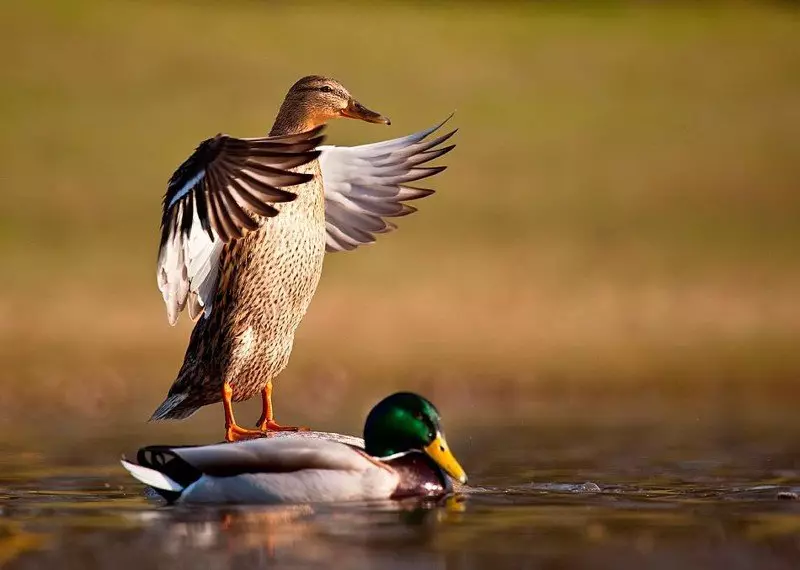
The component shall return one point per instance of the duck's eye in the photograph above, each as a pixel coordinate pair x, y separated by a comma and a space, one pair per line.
326, 89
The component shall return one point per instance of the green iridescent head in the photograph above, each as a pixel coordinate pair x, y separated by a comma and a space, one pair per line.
405, 422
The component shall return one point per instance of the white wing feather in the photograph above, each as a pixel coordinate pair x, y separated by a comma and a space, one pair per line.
189, 265
366, 184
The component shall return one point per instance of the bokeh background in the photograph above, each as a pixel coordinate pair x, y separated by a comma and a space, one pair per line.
616, 235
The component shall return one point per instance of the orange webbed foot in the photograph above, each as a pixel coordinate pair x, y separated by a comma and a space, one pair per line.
236, 433
267, 426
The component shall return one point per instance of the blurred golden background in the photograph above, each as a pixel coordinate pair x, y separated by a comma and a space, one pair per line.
617, 228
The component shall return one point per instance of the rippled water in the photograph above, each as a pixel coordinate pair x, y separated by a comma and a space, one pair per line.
578, 496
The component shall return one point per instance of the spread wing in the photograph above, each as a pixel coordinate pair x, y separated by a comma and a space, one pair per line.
366, 184
218, 194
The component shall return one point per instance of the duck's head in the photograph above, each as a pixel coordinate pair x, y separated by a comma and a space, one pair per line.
408, 422
314, 100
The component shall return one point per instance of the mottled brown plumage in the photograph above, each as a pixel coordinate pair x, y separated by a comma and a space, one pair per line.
251, 277
266, 284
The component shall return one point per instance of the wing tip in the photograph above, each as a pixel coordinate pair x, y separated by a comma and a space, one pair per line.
407, 209
414, 192
447, 120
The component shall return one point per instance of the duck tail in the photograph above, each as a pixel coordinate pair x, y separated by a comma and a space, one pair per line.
175, 407
160, 467
155, 479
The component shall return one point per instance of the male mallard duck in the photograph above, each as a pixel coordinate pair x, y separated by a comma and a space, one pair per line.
249, 273
405, 455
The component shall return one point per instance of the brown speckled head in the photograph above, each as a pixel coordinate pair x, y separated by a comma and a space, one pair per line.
314, 100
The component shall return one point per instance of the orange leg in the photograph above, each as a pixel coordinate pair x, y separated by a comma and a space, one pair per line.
267, 423
232, 431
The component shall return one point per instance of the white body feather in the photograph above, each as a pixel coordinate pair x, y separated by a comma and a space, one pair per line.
307, 486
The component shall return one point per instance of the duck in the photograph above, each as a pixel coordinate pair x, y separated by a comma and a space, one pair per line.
246, 224
405, 455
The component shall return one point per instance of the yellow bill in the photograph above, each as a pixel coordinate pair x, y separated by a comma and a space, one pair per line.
439, 451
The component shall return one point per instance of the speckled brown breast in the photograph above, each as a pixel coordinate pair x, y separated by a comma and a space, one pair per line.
267, 280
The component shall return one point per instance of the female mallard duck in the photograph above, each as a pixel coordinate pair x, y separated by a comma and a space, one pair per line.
248, 273
405, 455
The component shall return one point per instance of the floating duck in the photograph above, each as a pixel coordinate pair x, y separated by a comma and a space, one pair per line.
245, 226
405, 455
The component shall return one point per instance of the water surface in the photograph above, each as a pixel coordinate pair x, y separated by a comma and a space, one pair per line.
544, 496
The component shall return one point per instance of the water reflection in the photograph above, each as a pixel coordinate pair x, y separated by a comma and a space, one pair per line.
299, 532
14, 540
620, 528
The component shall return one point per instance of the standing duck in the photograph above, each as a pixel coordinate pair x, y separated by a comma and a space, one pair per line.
405, 455
245, 226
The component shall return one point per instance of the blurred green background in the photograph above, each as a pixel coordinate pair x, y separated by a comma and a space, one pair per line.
617, 231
